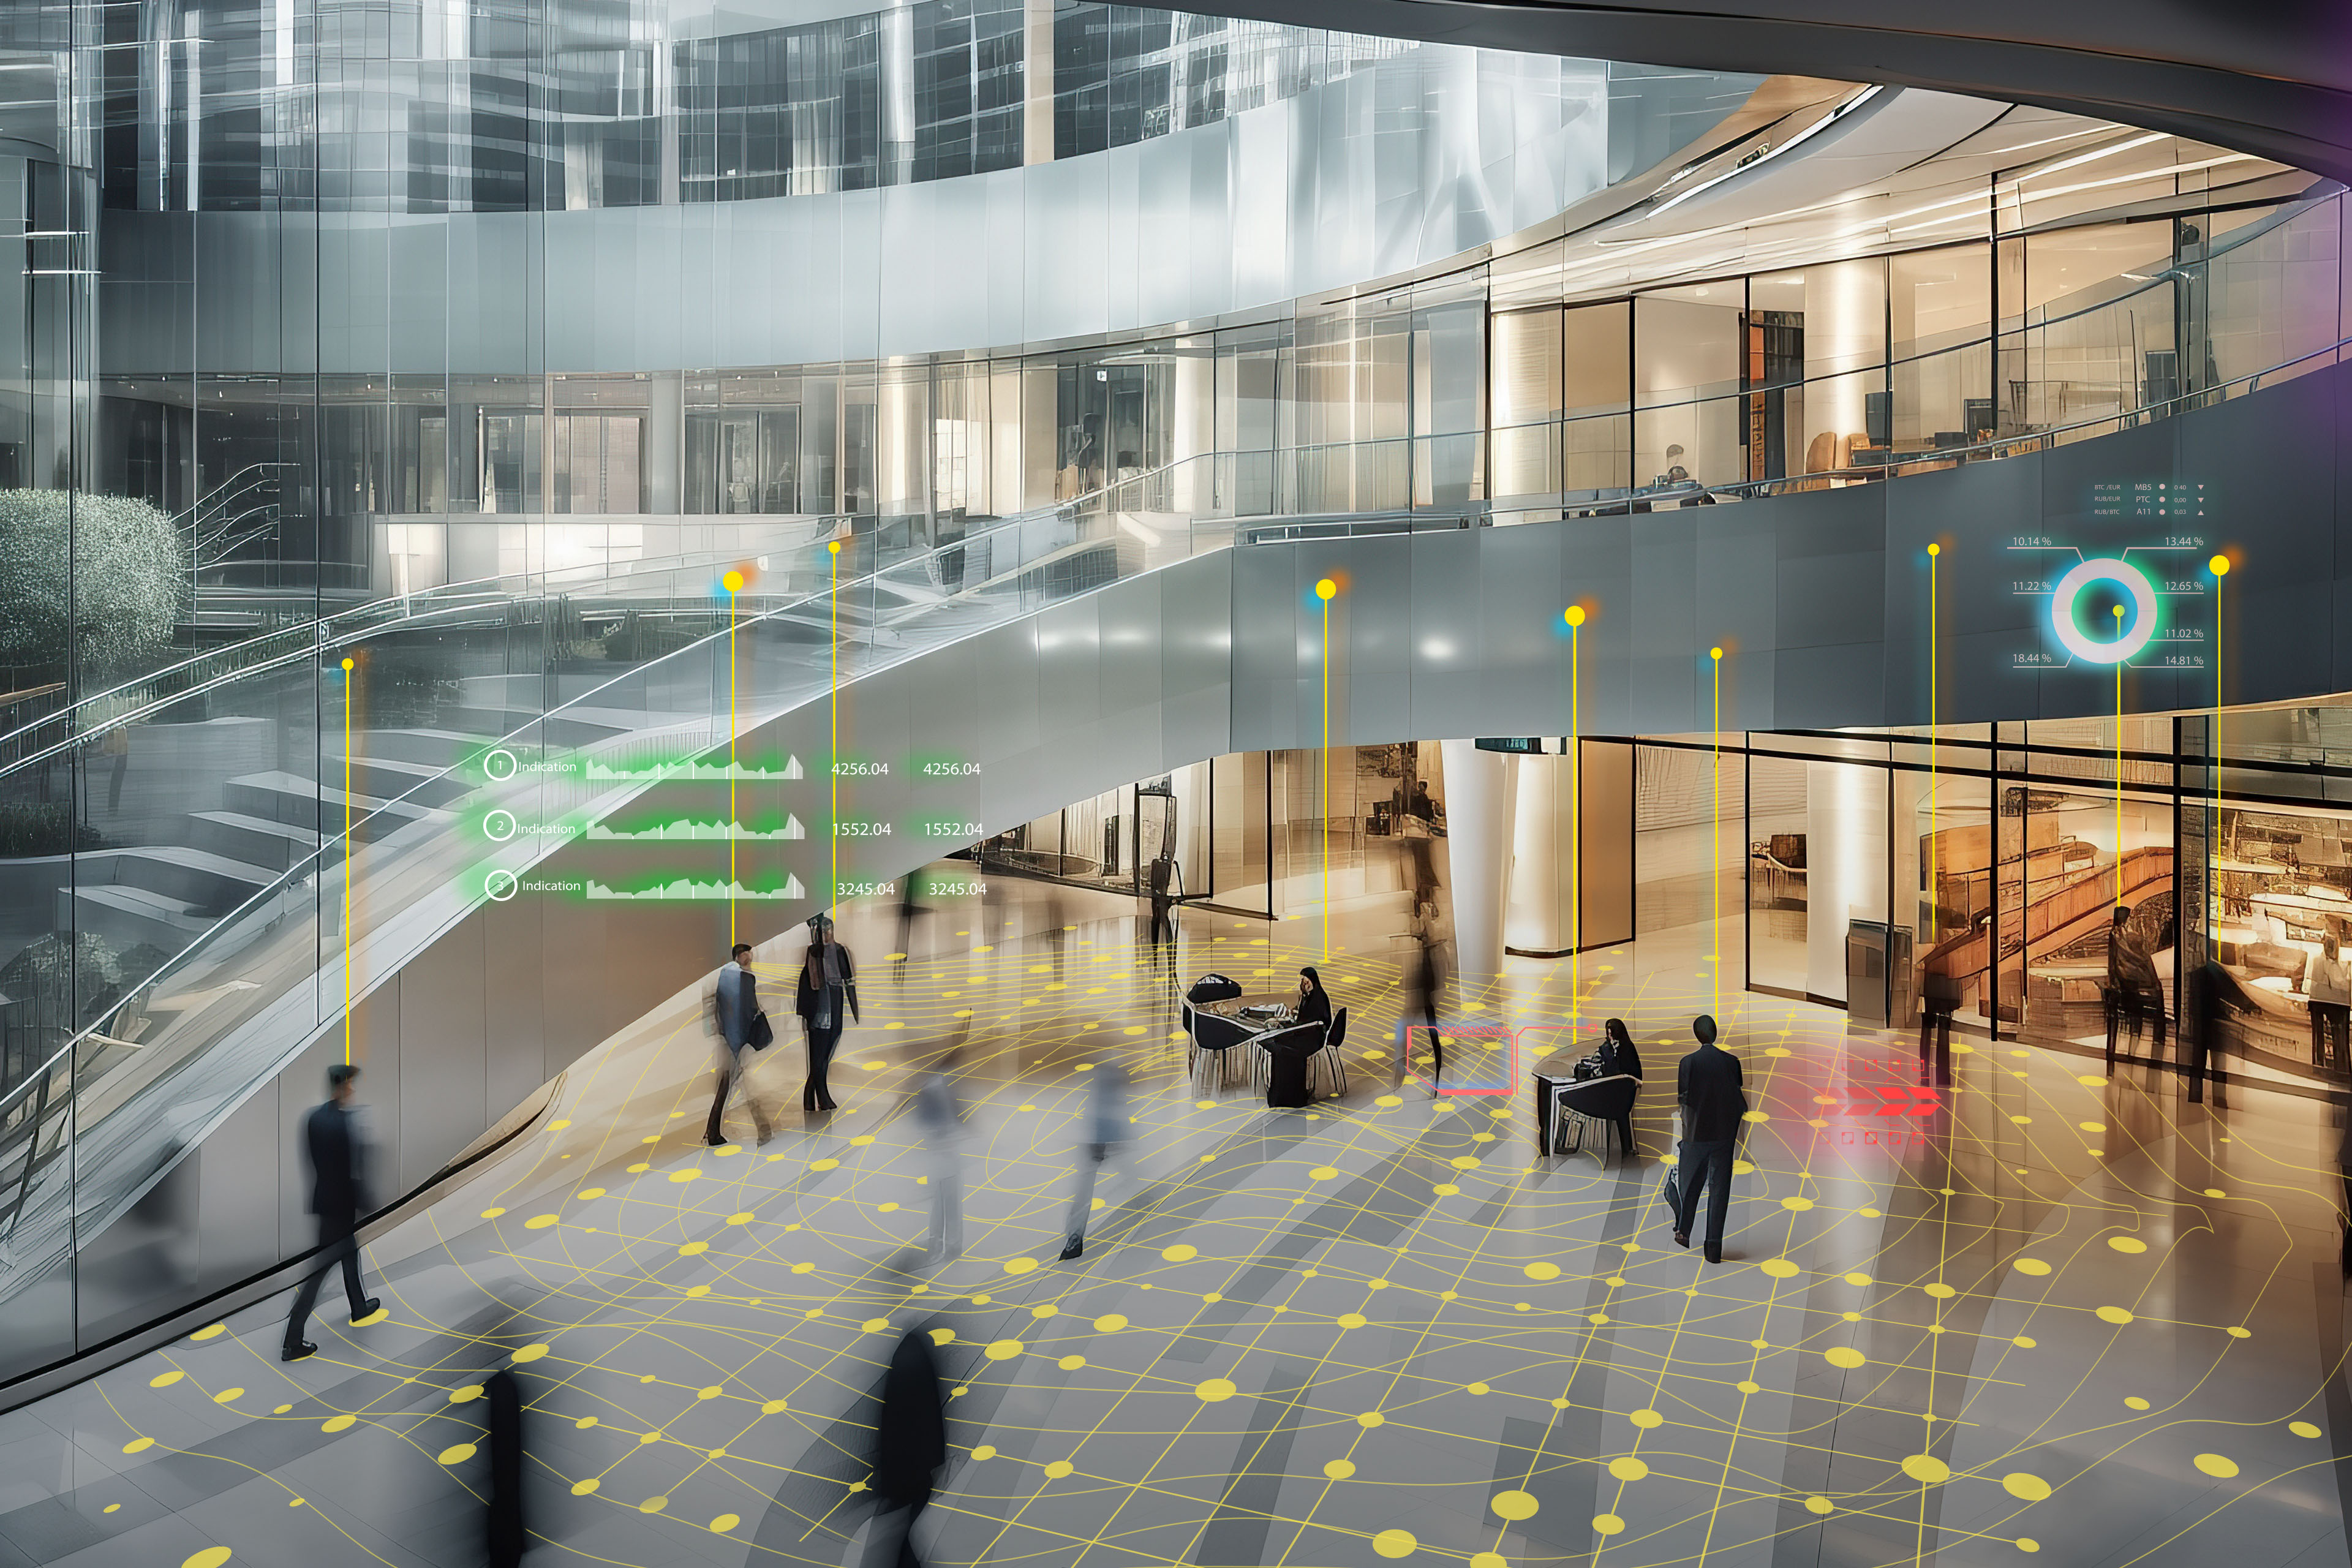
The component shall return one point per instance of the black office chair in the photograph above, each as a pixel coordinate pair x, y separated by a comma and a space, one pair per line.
1604, 1102
1217, 1036
1184, 1007
1290, 1059
1334, 1063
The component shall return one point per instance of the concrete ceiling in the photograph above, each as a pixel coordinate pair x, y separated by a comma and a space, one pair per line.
2272, 78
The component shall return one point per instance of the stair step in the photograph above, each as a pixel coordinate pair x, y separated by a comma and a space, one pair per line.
204, 881
435, 748
290, 798
256, 840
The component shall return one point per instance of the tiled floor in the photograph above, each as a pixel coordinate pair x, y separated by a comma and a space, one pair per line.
2043, 1313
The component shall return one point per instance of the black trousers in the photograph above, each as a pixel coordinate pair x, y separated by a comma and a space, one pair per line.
814, 1096
1709, 1163
1161, 919
339, 1243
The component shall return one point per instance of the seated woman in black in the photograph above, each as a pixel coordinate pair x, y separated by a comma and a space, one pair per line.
1617, 1052
1314, 1002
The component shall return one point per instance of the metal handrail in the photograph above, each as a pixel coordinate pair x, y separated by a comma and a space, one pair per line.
1934, 459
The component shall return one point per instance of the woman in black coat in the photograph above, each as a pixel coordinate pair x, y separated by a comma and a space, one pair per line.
1314, 1002
1617, 1052
828, 989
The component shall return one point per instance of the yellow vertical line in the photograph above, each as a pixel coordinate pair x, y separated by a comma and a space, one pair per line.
347, 862
733, 882
832, 773
1574, 616
1715, 848
1934, 737
2119, 763
1327, 779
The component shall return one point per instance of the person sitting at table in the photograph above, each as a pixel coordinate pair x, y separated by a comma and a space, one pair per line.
1314, 1002
1617, 1053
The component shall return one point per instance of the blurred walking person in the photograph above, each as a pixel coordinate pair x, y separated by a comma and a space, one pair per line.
742, 1028
910, 1444
828, 994
1424, 978
939, 1113
1107, 1132
910, 907
338, 1197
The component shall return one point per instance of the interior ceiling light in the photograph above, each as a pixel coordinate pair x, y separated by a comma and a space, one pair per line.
1835, 114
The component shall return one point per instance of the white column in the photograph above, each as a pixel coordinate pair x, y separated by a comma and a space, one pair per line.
1478, 821
1845, 865
1542, 909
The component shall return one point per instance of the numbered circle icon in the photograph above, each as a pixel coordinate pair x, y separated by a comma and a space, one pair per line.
500, 824
2135, 629
501, 885
499, 765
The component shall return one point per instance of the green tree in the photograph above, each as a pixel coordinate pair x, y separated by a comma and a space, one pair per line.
102, 577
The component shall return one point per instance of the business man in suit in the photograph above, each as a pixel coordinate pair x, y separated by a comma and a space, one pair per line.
734, 1008
338, 1197
1712, 1104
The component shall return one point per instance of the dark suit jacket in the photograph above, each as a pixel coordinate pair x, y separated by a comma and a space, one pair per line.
735, 1002
337, 1181
1707, 1086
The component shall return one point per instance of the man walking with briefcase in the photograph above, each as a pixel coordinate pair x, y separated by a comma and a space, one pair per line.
742, 1029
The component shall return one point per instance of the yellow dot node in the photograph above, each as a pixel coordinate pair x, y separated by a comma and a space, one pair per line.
1541, 1270
1395, 1542
1646, 1418
2018, 1484
1338, 1469
1845, 1356
2134, 1402
455, 1453
2303, 1428
1819, 1505
723, 1523
1513, 1505
2032, 1266
214, 1556
1926, 1469
586, 1487
1003, 1350
1020, 1265
2116, 1315
339, 1422
2216, 1465
1217, 1390
137, 1445
1796, 1205
2126, 1244
1780, 1268
1325, 588
1180, 1253
2220, 565
1110, 1323
1607, 1524
165, 1379
1628, 1469
1059, 1468
1350, 1320
1372, 1418
1071, 1362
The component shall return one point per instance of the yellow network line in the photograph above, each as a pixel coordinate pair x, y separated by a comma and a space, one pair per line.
1324, 589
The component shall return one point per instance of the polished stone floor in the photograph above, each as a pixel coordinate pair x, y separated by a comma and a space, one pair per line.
2043, 1313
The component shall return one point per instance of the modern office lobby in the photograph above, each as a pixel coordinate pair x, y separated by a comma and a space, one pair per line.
1164, 623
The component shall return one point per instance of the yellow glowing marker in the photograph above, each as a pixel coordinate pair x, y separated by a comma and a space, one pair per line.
348, 667
1324, 589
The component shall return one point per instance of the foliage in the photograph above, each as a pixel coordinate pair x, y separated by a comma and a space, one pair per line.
30, 827
104, 575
